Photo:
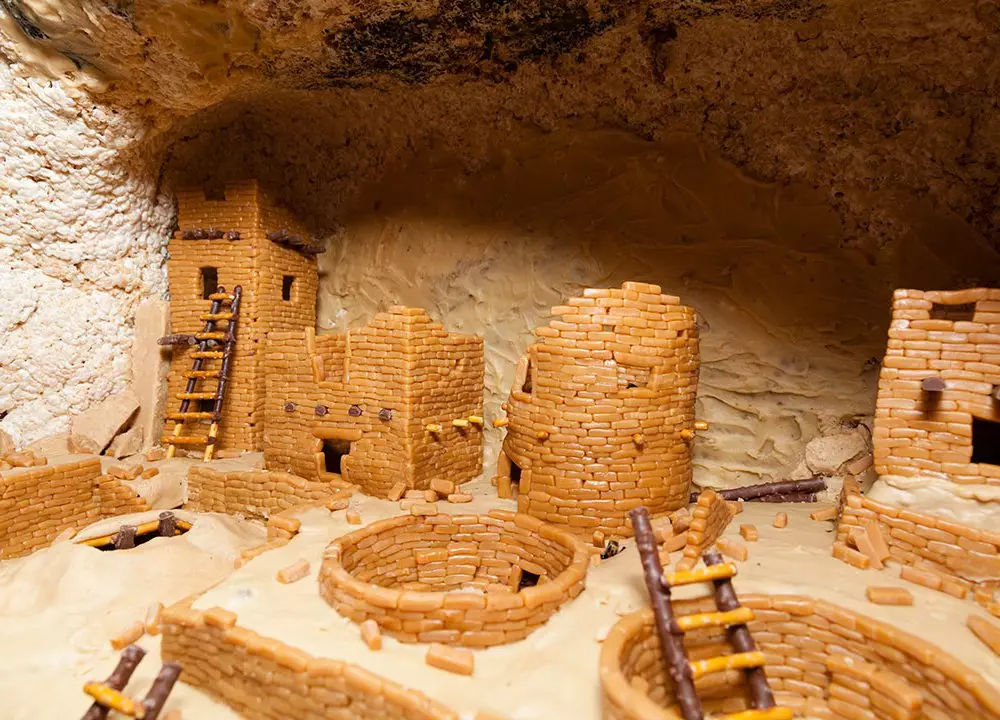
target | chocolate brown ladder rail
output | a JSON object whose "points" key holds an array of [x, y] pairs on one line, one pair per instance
{"points": [[730, 615], [204, 355]]}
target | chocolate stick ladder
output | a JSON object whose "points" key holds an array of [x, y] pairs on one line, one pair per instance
{"points": [[205, 339], [108, 695], [731, 615]]}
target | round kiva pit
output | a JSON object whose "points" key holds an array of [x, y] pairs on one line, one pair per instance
{"points": [[822, 661], [475, 580]]}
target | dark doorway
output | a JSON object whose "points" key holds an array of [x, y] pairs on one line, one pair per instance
{"points": [[515, 479], [985, 441], [287, 282], [528, 579], [953, 313], [333, 454], [209, 281]]}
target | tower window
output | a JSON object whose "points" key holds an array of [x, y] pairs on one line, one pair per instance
{"points": [[209, 281], [985, 441], [286, 287], [953, 313]]}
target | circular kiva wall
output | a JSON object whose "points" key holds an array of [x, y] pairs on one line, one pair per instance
{"points": [[454, 579], [823, 661], [600, 407]]}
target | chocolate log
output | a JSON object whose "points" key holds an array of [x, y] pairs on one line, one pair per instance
{"points": [[671, 638], [784, 487], [156, 698]]}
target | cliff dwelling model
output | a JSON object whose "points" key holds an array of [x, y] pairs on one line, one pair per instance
{"points": [[520, 360]]}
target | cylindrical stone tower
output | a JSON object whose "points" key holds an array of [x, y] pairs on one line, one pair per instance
{"points": [[601, 413]]}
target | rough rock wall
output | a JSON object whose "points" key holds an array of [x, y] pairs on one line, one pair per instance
{"points": [[455, 151], [81, 242]]}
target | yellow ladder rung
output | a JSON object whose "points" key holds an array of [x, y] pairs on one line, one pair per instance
{"points": [[207, 354], [195, 396], [736, 661], [220, 296], [216, 316], [211, 336], [739, 616], [775, 713], [190, 416], [183, 440], [689, 577], [201, 374], [112, 699]]}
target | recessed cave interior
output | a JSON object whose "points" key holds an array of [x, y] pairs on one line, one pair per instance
{"points": [[780, 166]]}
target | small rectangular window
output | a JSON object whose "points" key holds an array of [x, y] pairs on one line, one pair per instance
{"points": [[953, 313], [985, 441], [209, 281], [286, 287]]}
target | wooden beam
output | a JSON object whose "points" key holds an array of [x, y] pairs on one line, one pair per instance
{"points": [[933, 385]]}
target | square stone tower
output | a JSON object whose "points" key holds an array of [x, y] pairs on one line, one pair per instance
{"points": [[938, 407], [399, 400], [238, 238]]}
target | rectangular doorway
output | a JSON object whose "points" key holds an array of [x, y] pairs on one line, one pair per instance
{"points": [[985, 441], [334, 451]]}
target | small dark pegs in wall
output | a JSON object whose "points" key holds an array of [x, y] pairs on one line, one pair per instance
{"points": [[290, 407], [354, 411], [321, 410], [385, 414]]}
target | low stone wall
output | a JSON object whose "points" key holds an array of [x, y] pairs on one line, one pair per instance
{"points": [[454, 579], [966, 556], [37, 505], [709, 519], [264, 679], [257, 494], [823, 661]]}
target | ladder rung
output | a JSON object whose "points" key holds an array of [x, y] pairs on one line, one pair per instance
{"points": [[114, 700], [185, 440], [195, 396], [190, 416], [736, 661], [217, 316], [207, 354], [201, 374], [740, 616], [221, 296], [775, 713], [211, 336], [688, 577]]}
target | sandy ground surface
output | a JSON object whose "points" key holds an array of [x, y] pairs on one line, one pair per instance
{"points": [[60, 606]]}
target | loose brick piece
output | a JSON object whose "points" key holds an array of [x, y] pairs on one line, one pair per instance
{"points": [[851, 557], [781, 520], [749, 533], [396, 491], [155, 454], [152, 623], [294, 572], [459, 498], [986, 631], [920, 577], [442, 486], [888, 595], [414, 495], [128, 636], [430, 496], [877, 540], [353, 517], [371, 634], [864, 545], [732, 548], [456, 660], [424, 509], [151, 472], [829, 513]]}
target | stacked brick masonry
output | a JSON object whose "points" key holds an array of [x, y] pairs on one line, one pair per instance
{"points": [[598, 408], [256, 493], [965, 556], [918, 433], [710, 518], [36, 505], [454, 578], [264, 679], [259, 266], [826, 661], [377, 388]]}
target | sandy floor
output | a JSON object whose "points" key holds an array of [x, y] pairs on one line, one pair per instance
{"points": [[60, 606]]}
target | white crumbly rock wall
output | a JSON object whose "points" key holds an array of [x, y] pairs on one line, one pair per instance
{"points": [[82, 232]]}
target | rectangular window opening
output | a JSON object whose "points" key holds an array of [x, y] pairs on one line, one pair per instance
{"points": [[333, 455], [515, 478], [985, 441], [205, 405], [209, 281], [528, 579], [632, 377], [953, 313], [286, 287], [526, 386]]}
